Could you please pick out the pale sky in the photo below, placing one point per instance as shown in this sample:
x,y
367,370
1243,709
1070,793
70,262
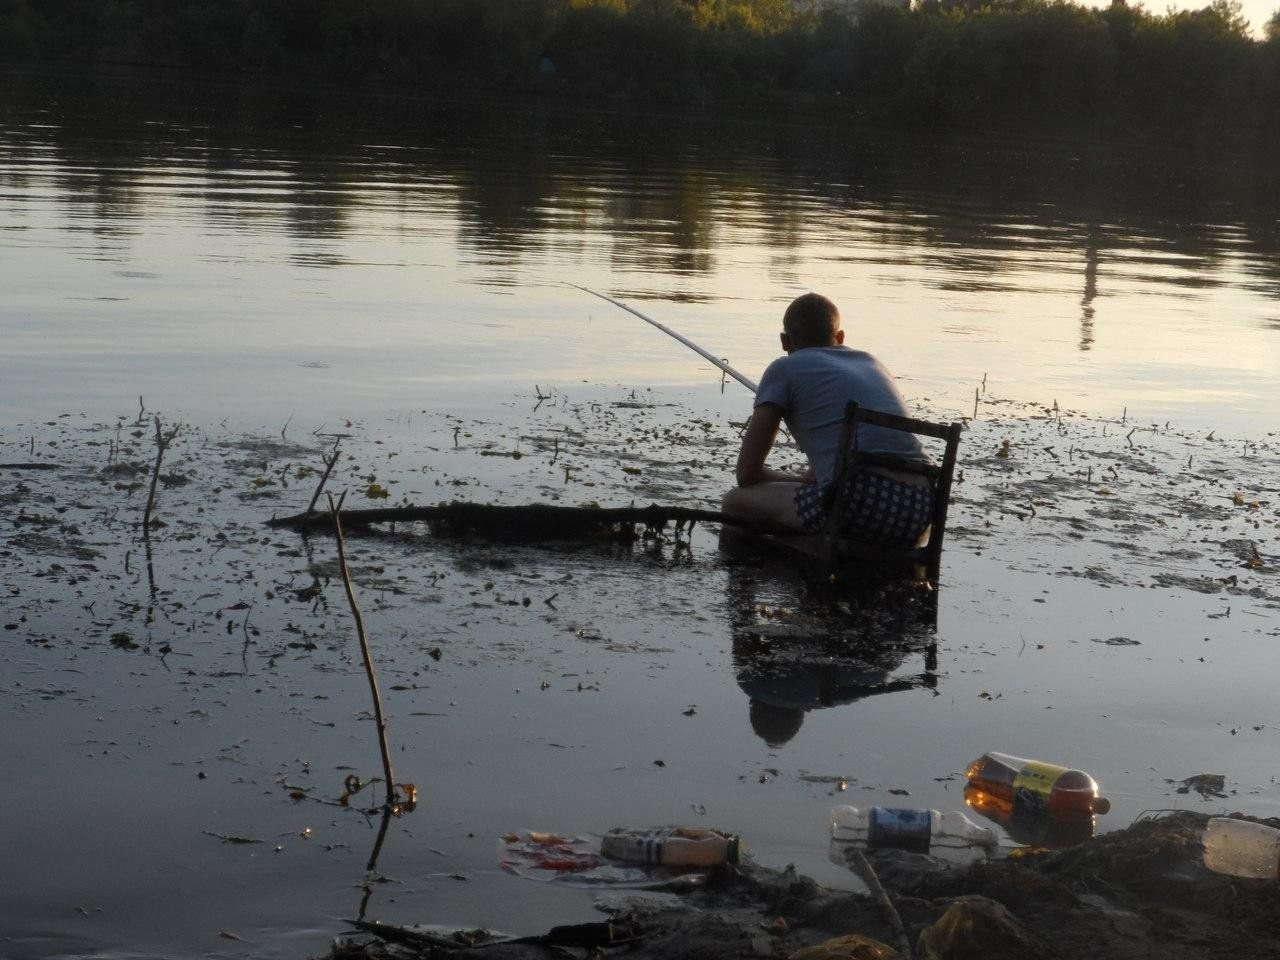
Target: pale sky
x,y
1258,12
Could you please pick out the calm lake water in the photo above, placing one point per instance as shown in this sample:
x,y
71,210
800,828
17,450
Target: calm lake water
x,y
269,271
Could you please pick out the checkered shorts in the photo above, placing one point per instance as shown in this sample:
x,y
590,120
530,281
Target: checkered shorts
x,y
878,509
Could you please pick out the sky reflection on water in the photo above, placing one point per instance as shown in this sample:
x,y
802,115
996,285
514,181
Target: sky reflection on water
x,y
213,262
400,281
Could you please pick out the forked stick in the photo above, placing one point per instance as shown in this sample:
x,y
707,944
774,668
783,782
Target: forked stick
x,y
335,508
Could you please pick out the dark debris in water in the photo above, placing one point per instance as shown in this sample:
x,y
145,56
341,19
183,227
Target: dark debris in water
x,y
1067,494
1208,785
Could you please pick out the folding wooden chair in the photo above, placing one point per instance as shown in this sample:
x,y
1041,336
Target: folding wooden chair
x,y
836,548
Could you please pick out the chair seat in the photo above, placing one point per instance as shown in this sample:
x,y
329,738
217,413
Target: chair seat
x,y
833,547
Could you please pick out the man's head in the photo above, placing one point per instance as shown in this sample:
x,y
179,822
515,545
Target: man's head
x,y
811,321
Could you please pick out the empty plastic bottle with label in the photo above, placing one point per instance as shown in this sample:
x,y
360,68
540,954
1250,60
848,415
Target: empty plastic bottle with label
x,y
1242,848
672,846
1034,786
917,830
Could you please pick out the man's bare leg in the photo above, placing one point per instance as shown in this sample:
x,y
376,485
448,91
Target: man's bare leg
x,y
773,503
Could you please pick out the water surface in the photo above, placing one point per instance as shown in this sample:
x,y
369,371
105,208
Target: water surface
x,y
258,259
270,272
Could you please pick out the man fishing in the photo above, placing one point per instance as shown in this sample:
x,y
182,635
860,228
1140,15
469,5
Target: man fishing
x,y
809,389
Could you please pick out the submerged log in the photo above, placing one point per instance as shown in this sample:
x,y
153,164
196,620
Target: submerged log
x,y
852,561
538,519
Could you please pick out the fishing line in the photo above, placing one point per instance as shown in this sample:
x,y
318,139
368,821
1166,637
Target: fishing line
x,y
750,385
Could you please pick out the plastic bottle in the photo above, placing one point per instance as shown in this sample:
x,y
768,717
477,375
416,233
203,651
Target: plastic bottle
x,y
917,830
1033,786
1242,848
672,846
1029,828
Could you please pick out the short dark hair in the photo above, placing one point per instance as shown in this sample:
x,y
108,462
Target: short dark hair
x,y
811,321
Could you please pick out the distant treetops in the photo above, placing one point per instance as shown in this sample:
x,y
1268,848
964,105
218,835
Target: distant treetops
x,y
1005,63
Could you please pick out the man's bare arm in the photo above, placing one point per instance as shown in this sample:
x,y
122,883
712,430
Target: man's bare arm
x,y
762,430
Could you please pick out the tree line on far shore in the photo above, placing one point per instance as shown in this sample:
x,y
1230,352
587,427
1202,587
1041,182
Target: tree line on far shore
x,y
1198,74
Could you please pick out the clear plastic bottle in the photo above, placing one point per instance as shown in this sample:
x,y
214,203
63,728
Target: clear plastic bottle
x,y
1242,848
1033,786
906,829
672,846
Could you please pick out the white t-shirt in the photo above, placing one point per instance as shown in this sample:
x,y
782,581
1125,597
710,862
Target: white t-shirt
x,y
813,386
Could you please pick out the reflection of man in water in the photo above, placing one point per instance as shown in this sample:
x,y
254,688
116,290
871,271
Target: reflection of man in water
x,y
783,688
810,388
796,653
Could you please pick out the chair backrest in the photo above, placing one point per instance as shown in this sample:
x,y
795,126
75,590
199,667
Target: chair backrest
x,y
939,476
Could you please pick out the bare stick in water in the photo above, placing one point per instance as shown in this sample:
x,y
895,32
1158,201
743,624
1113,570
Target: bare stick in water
x,y
329,461
750,385
382,836
335,511
162,443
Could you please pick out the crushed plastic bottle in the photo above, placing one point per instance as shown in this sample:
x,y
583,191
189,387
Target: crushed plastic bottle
x,y
672,846
908,829
1033,786
1030,829
1242,848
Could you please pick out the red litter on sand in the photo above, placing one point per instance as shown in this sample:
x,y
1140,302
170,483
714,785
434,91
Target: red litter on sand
x,y
538,850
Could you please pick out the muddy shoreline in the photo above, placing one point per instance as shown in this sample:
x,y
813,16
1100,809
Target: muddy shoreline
x,y
1136,893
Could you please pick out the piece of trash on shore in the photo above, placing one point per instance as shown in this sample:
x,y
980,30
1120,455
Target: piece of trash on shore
x,y
851,946
672,846
553,857
1242,848
918,830
1033,786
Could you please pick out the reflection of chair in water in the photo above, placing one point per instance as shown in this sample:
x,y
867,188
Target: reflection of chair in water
x,y
807,651
836,551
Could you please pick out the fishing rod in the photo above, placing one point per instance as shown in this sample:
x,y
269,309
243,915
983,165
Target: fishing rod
x,y
671,333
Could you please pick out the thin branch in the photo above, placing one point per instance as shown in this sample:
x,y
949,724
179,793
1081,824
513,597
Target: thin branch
x,y
152,593
329,461
162,443
382,836
335,513
872,880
